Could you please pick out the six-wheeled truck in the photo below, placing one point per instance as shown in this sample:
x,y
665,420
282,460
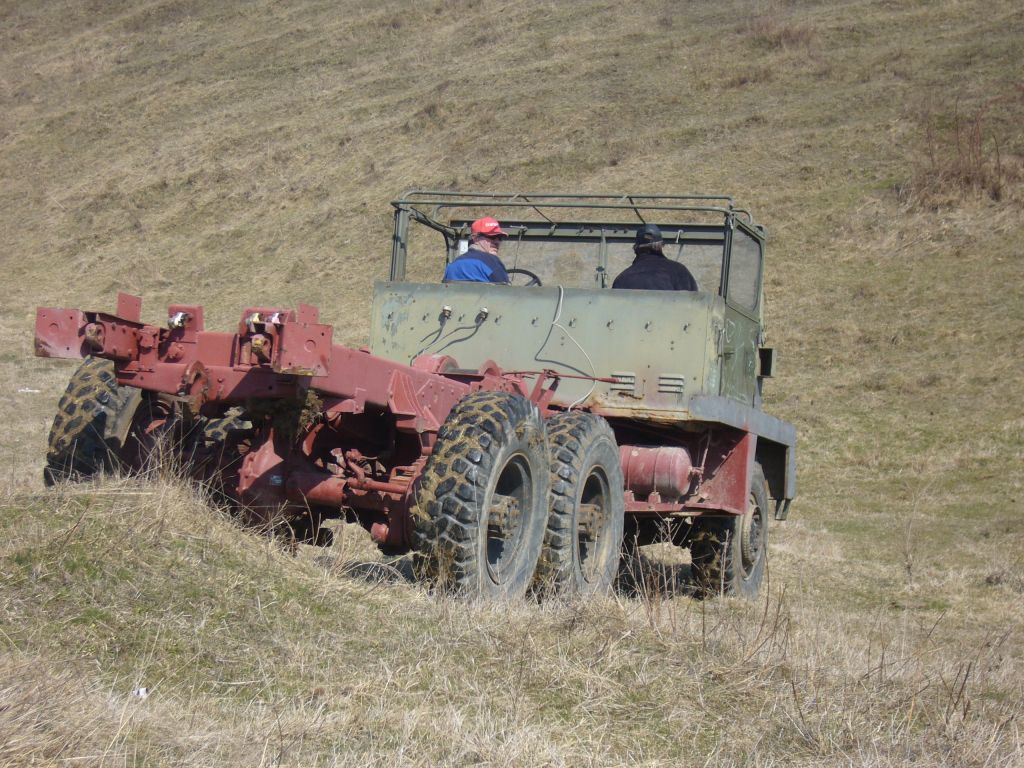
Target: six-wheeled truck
x,y
508,435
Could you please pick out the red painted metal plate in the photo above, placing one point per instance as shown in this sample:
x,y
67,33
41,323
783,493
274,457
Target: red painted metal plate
x,y
305,349
58,332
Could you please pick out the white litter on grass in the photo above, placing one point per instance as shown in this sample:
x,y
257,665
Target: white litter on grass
x,y
27,391
141,693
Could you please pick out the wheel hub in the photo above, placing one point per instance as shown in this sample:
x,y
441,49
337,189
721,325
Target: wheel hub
x,y
591,521
505,516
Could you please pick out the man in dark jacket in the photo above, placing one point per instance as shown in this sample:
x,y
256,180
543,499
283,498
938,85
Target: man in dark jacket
x,y
480,264
651,270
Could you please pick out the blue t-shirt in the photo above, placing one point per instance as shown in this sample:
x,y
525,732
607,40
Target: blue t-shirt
x,y
476,267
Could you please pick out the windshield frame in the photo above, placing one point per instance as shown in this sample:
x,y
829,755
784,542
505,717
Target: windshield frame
x,y
713,217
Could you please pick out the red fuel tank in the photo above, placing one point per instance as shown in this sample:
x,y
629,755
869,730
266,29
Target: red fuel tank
x,y
665,471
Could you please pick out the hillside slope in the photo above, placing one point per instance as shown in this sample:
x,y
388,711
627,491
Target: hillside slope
x,y
237,153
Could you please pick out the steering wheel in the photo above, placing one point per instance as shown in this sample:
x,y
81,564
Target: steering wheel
x,y
534,280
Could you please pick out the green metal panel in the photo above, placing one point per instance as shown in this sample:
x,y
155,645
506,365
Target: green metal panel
x,y
656,344
739,356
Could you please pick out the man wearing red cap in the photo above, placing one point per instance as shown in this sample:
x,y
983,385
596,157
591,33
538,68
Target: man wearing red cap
x,y
480,264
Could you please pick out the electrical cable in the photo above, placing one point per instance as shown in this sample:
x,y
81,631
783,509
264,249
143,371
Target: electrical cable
x,y
563,329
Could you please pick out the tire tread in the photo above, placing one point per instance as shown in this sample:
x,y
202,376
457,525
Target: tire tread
x,y
446,515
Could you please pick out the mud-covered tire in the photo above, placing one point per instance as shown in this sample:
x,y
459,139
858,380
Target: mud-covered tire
x,y
730,554
84,438
216,432
222,436
482,503
583,541
222,445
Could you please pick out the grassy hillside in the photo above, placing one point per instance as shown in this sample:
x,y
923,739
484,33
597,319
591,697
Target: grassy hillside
x,y
237,153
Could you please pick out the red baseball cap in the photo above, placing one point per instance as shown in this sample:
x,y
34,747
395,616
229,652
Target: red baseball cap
x,y
488,226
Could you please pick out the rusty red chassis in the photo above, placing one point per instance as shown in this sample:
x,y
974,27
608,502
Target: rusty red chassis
x,y
338,431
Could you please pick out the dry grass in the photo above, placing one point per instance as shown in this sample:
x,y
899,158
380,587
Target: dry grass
x,y
251,656
237,154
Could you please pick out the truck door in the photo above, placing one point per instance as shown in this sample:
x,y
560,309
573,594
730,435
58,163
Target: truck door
x,y
741,327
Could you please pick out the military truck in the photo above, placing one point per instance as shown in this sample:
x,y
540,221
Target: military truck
x,y
510,436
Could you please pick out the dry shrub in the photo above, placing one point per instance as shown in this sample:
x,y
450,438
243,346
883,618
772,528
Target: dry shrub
x,y
1010,577
751,76
772,32
969,153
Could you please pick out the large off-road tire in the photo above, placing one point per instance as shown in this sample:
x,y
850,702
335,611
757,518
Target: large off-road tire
x,y
90,428
225,441
730,554
583,541
221,444
482,504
